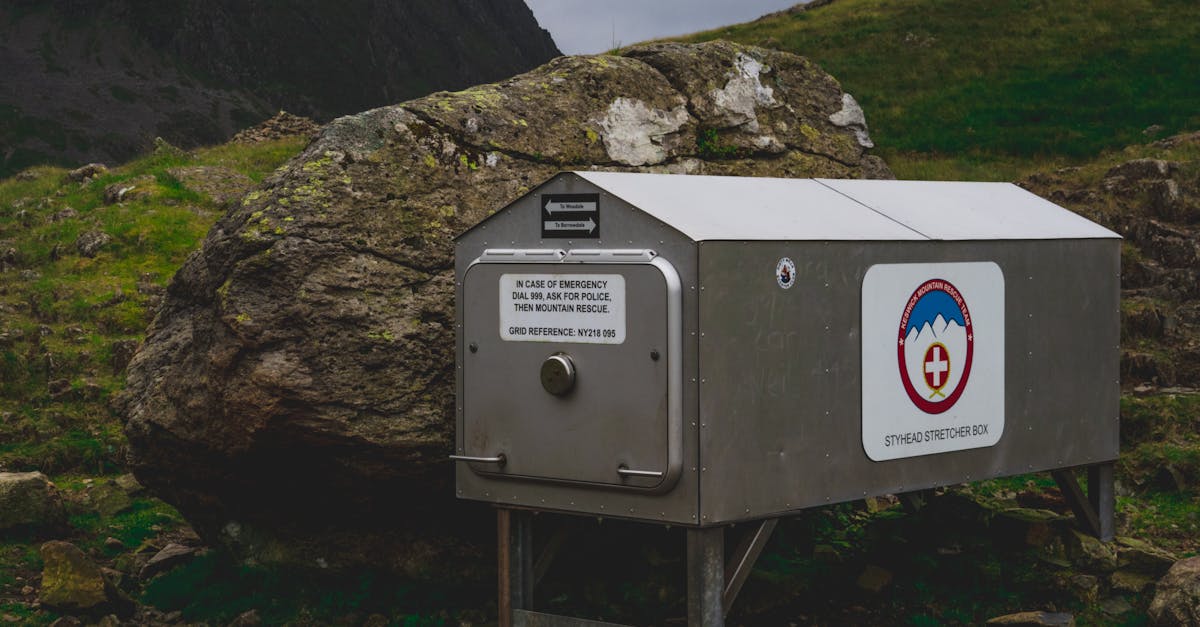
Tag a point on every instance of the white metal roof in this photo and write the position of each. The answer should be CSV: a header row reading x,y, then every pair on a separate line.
x,y
746,208
946,210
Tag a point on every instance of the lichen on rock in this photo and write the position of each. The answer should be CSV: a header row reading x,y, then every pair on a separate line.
x,y
635,134
851,115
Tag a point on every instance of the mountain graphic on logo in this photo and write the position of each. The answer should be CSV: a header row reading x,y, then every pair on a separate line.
x,y
936,309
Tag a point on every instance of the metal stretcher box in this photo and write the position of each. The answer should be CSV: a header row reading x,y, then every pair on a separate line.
x,y
700,350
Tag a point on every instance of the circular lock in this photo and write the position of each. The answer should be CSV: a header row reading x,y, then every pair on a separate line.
x,y
558,374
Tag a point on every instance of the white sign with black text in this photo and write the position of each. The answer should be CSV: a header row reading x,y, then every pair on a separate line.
x,y
574,308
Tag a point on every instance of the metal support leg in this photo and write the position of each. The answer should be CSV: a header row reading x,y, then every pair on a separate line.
x,y
542,564
1094,510
743,558
1101,498
514,539
706,577
913,502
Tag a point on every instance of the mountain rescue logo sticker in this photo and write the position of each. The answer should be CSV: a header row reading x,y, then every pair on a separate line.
x,y
932,358
936,346
785,273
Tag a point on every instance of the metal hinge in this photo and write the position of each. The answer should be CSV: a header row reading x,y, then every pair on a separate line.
x,y
522,255
618,255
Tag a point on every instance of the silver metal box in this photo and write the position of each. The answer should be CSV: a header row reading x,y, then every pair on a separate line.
x,y
701,350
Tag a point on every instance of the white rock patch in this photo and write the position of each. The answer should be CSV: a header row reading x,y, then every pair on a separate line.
x,y
852,116
633,132
744,92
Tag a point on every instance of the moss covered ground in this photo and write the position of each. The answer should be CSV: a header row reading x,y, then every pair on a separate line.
x,y
68,321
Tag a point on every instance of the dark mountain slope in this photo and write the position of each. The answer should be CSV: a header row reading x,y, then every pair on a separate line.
x,y
99,80
320,58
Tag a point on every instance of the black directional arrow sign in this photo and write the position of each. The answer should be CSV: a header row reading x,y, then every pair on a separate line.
x,y
571,215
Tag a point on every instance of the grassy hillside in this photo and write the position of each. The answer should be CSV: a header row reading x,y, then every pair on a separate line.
x,y
991,90
69,320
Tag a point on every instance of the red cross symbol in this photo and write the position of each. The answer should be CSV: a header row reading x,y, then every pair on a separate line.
x,y
936,367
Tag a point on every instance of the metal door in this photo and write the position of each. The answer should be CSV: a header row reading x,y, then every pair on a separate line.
x,y
572,368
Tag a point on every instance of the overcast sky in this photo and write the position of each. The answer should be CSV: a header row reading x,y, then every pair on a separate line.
x,y
590,26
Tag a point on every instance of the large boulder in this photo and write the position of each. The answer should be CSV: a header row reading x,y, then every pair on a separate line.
x,y
294,396
1177,596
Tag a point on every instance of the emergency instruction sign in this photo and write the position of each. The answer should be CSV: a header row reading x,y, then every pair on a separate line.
x,y
932,358
579,308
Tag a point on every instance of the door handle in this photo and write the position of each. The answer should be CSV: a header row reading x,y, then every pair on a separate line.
x,y
498,459
627,472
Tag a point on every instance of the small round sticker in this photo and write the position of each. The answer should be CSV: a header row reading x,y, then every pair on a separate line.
x,y
785,273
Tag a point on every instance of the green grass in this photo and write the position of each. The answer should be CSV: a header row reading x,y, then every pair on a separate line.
x,y
61,313
145,518
24,614
214,589
17,557
1152,419
1160,442
962,89
1171,518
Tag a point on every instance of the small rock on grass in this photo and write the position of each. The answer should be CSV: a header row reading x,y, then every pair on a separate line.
x,y
246,619
1034,619
826,553
1139,170
169,557
87,172
109,499
138,187
89,243
1091,553
1115,606
73,583
874,579
64,214
1142,557
376,620
1129,581
28,499
1084,587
